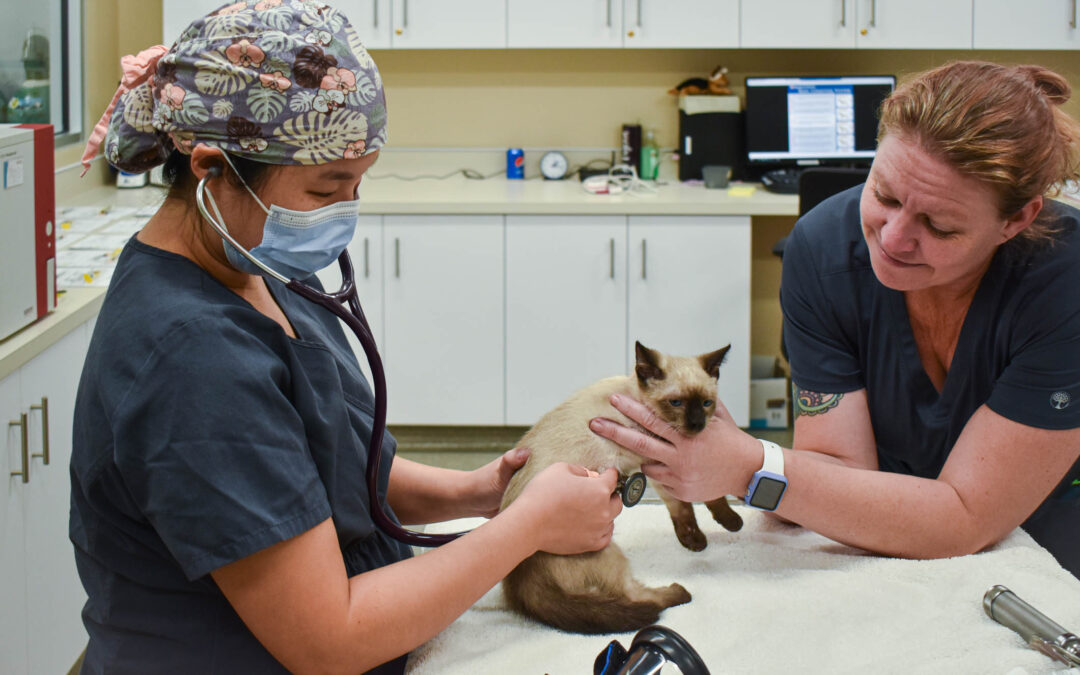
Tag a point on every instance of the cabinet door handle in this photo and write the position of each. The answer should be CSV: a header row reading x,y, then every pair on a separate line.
x,y
639,12
843,12
612,250
643,258
397,257
367,266
25,473
44,408
1072,22
405,7
375,5
609,13
873,13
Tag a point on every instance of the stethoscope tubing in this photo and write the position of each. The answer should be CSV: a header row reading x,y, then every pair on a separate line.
x,y
345,304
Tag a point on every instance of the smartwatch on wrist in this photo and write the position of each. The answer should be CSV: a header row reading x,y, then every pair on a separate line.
x,y
768,483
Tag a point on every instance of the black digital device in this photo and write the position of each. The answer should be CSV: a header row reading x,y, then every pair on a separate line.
x,y
813,121
766,493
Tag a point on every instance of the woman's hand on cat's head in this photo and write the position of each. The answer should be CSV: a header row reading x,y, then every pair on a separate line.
x,y
574,508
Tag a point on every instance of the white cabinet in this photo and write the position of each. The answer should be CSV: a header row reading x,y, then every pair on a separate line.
x,y
444,319
54,594
913,24
366,252
12,545
669,24
564,23
681,24
565,308
437,24
689,293
39,585
874,24
370,18
176,15
798,24
1035,24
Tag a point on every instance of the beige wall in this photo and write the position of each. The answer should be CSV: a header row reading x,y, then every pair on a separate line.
x,y
549,98
579,98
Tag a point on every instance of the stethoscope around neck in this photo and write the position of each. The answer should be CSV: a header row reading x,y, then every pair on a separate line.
x,y
344,304
652,648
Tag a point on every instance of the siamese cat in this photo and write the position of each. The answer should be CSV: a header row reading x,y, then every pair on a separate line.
x,y
595,592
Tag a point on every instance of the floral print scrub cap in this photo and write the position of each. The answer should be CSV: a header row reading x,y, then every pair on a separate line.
x,y
275,81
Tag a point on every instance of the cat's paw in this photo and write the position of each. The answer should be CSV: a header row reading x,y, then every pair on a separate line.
x,y
730,521
691,537
675,594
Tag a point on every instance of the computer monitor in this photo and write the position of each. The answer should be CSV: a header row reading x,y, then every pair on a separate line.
x,y
809,121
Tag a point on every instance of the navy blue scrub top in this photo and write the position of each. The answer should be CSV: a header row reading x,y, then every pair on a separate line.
x,y
1018,350
203,434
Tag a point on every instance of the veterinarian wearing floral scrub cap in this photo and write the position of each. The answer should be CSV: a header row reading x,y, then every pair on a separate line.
x,y
219,512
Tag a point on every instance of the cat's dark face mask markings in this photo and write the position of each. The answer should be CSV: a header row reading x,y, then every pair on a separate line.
x,y
683,393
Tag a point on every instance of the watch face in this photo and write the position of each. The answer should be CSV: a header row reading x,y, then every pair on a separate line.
x,y
767,493
553,165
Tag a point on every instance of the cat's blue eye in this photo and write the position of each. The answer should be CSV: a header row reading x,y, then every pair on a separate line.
x,y
708,403
675,403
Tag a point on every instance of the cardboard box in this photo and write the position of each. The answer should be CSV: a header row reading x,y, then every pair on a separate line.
x,y
769,393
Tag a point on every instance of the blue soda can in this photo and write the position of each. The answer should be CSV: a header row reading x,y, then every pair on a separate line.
x,y
515,163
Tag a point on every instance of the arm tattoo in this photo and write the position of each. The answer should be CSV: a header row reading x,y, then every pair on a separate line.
x,y
810,403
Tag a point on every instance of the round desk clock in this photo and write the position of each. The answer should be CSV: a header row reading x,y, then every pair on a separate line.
x,y
554,165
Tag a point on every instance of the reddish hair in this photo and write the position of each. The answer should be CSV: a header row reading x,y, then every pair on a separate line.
x,y
1002,125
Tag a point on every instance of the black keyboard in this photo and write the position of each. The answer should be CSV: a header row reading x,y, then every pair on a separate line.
x,y
784,181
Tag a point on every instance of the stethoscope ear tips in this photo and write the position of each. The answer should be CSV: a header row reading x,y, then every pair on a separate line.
x,y
215,171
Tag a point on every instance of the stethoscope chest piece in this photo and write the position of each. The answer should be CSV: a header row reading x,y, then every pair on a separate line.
x,y
632,489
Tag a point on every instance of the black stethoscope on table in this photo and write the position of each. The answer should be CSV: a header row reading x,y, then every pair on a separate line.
x,y
345,304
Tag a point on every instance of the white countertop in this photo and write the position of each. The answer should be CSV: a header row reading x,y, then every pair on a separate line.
x,y
501,196
74,307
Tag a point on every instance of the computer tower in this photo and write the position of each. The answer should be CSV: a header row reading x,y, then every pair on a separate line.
x,y
710,132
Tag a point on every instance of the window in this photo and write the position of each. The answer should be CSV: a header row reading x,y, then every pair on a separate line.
x,y
40,64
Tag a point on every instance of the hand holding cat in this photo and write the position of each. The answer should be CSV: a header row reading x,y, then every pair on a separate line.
x,y
488,483
716,462
573,508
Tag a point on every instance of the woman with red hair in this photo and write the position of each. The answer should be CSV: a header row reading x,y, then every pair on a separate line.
x,y
932,321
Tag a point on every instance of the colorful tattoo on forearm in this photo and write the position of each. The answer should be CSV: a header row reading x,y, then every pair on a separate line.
x,y
810,403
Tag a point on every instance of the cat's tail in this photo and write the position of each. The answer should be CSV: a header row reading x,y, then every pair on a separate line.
x,y
539,588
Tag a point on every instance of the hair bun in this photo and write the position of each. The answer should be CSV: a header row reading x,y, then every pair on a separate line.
x,y
1055,87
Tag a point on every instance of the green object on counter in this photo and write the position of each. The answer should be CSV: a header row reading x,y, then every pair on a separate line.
x,y
30,103
650,158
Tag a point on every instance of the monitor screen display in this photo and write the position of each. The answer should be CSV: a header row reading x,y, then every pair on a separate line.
x,y
813,120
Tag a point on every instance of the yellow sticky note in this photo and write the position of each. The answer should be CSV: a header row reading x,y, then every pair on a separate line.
x,y
66,225
741,190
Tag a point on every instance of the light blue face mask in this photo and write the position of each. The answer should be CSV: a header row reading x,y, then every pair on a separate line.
x,y
296,244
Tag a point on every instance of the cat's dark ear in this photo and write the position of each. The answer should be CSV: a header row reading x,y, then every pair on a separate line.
x,y
648,364
711,361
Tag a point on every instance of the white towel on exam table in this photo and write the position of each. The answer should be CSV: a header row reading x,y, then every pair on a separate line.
x,y
774,598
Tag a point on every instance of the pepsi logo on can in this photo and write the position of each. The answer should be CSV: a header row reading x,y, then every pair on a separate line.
x,y
515,163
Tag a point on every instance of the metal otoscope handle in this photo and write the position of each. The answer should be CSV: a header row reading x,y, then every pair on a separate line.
x,y
1003,606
